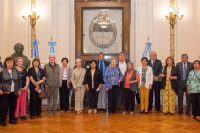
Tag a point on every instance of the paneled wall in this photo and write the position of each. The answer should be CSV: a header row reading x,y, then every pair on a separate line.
x,y
57,22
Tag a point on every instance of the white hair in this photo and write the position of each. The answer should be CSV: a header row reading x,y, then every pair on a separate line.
x,y
78,60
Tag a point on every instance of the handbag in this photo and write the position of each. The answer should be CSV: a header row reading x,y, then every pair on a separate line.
x,y
44,94
5,87
70,84
138,97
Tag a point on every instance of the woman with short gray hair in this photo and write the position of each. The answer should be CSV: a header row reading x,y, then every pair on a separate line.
x,y
78,75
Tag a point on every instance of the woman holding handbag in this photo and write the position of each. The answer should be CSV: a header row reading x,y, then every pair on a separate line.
x,y
10,85
131,79
36,75
193,88
169,86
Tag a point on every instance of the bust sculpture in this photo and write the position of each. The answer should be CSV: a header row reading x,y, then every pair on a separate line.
x,y
19,48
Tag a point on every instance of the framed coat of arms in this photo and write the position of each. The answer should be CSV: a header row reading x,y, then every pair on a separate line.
x,y
102,26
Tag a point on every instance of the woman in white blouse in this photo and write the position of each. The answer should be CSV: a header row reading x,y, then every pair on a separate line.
x,y
65,76
146,81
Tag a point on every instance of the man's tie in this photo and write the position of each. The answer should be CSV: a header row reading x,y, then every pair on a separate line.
x,y
153,63
184,71
101,66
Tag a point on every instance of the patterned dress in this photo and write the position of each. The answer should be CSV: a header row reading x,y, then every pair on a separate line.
x,y
192,83
168,96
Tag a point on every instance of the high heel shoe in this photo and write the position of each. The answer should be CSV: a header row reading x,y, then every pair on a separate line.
x,y
142,111
146,112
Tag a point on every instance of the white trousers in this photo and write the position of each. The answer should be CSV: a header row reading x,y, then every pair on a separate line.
x,y
79,96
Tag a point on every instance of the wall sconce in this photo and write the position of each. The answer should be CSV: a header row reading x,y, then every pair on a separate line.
x,y
32,16
173,16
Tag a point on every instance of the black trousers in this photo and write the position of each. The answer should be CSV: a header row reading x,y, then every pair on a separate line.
x,y
195,100
181,90
93,98
8,103
64,96
112,99
129,99
35,103
155,91
121,96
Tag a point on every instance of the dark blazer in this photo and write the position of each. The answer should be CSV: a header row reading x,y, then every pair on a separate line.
x,y
106,63
157,67
98,79
5,78
179,67
32,72
174,84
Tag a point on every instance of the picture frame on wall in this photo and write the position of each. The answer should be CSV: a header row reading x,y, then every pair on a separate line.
x,y
102,27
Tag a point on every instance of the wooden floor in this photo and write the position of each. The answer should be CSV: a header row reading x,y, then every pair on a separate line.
x,y
101,123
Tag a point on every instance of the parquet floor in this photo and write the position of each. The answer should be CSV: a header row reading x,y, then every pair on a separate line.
x,y
101,123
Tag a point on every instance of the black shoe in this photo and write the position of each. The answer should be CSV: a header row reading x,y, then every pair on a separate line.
x,y
113,112
110,113
3,124
23,118
99,110
104,110
39,116
158,110
13,122
32,117
188,113
146,112
180,112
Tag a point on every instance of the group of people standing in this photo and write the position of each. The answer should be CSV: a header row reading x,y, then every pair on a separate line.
x,y
110,85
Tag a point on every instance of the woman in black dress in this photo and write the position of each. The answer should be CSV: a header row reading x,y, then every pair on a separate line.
x,y
36,75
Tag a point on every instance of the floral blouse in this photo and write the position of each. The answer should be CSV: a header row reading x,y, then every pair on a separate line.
x,y
193,83
112,76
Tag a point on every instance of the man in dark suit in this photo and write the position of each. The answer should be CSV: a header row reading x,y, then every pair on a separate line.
x,y
156,65
183,67
102,64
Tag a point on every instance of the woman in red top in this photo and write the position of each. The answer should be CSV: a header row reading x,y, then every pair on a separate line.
x,y
131,80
